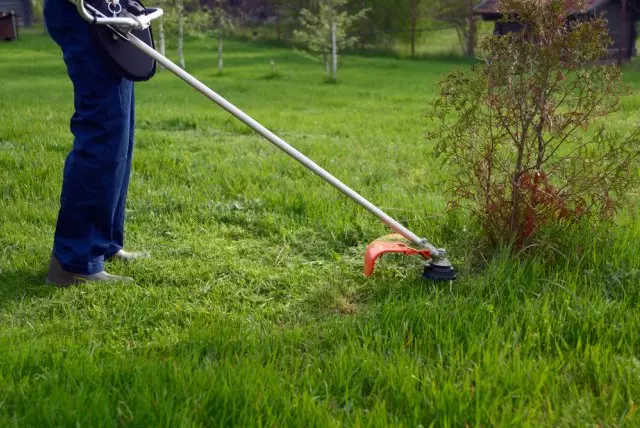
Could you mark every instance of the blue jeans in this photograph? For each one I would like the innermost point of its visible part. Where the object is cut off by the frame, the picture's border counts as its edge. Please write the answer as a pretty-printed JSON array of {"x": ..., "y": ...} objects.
[{"x": 90, "y": 226}]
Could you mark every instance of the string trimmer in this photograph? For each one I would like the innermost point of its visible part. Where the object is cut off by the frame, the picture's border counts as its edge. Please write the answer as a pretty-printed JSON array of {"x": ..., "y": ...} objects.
[{"x": 119, "y": 25}]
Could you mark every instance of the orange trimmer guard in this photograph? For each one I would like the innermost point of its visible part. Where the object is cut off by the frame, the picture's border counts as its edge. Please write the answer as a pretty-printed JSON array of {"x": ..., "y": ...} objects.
[{"x": 393, "y": 243}]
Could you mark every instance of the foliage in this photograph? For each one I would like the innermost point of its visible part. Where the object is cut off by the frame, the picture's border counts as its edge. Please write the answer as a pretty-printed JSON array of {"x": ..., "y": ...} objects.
[
  {"x": 217, "y": 21},
  {"x": 527, "y": 141},
  {"x": 456, "y": 13},
  {"x": 37, "y": 9},
  {"x": 316, "y": 31},
  {"x": 191, "y": 16}
]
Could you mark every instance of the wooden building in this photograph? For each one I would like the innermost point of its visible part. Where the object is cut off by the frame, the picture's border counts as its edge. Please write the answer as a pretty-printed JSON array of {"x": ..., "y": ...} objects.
[
  {"x": 22, "y": 10},
  {"x": 621, "y": 16},
  {"x": 8, "y": 26}
]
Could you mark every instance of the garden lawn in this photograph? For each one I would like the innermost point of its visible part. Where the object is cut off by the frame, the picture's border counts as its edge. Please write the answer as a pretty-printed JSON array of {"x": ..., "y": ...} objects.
[{"x": 253, "y": 310}]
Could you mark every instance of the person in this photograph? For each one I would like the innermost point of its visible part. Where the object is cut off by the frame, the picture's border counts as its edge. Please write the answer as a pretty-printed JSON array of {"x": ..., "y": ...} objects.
[{"x": 90, "y": 224}]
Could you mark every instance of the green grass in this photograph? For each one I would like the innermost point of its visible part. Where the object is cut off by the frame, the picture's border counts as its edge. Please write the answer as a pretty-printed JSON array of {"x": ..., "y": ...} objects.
[{"x": 253, "y": 310}]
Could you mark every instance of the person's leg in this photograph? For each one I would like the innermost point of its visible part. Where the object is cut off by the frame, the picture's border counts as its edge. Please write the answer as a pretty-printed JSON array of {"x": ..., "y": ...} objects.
[
  {"x": 116, "y": 249},
  {"x": 95, "y": 169},
  {"x": 117, "y": 241}
]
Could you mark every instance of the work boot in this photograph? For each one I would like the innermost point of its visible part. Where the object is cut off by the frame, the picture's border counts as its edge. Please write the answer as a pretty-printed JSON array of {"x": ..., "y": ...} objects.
[
  {"x": 127, "y": 256},
  {"x": 62, "y": 278}
]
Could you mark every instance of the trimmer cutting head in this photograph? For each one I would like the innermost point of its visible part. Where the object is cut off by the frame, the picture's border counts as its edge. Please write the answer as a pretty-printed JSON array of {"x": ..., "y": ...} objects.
[
  {"x": 435, "y": 269},
  {"x": 439, "y": 271}
]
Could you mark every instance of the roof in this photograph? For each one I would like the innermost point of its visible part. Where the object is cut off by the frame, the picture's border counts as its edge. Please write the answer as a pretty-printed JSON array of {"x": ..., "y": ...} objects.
[{"x": 490, "y": 7}]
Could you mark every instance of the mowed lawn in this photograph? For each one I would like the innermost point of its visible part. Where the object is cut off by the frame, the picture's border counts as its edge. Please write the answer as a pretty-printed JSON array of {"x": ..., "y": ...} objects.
[{"x": 253, "y": 310}]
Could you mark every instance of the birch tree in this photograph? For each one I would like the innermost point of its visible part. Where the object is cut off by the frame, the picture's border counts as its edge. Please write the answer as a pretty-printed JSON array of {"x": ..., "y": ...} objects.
[
  {"x": 180, "y": 19},
  {"x": 326, "y": 32},
  {"x": 219, "y": 21},
  {"x": 161, "y": 32},
  {"x": 180, "y": 13}
]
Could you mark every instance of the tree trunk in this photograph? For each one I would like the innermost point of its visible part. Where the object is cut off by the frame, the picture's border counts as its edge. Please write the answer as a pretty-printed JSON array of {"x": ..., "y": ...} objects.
[
  {"x": 180, "y": 35},
  {"x": 471, "y": 34},
  {"x": 462, "y": 37},
  {"x": 363, "y": 29},
  {"x": 161, "y": 37},
  {"x": 624, "y": 33},
  {"x": 334, "y": 51},
  {"x": 515, "y": 186},
  {"x": 414, "y": 19},
  {"x": 219, "y": 51}
]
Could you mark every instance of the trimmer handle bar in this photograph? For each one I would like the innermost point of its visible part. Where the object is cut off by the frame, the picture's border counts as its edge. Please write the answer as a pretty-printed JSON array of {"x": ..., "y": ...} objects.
[{"x": 130, "y": 25}]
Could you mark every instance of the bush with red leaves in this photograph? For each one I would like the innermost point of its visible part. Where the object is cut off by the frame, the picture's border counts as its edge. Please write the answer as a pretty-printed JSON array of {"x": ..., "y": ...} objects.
[{"x": 524, "y": 130}]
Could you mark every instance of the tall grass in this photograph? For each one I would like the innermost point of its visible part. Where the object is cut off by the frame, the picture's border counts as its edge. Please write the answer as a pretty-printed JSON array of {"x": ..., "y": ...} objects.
[{"x": 253, "y": 310}]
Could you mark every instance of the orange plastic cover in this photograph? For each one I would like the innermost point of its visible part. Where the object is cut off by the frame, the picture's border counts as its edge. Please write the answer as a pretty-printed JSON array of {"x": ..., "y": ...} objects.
[{"x": 393, "y": 243}]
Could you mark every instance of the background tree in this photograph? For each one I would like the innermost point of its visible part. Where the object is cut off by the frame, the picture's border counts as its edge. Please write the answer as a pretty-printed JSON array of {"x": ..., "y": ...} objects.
[
  {"x": 459, "y": 13},
  {"x": 180, "y": 19},
  {"x": 327, "y": 31},
  {"x": 414, "y": 20},
  {"x": 217, "y": 20},
  {"x": 162, "y": 46},
  {"x": 524, "y": 131},
  {"x": 394, "y": 20},
  {"x": 286, "y": 16}
]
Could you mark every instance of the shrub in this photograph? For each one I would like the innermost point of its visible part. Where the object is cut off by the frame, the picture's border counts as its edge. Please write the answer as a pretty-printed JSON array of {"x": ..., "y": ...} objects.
[{"x": 524, "y": 132}]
